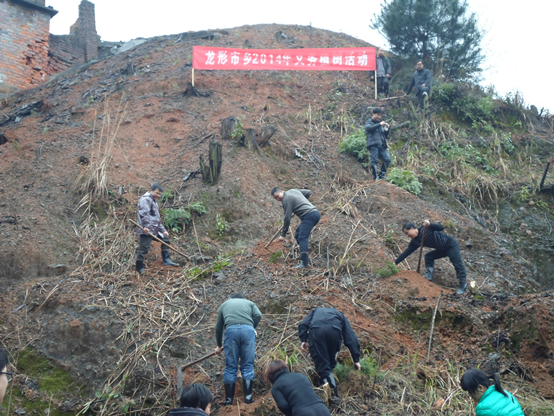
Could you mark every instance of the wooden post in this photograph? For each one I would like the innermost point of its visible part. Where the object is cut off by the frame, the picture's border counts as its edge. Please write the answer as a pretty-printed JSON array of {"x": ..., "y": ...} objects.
[
  {"x": 544, "y": 175},
  {"x": 210, "y": 174},
  {"x": 375, "y": 78},
  {"x": 266, "y": 134},
  {"x": 249, "y": 139},
  {"x": 193, "y": 77}
]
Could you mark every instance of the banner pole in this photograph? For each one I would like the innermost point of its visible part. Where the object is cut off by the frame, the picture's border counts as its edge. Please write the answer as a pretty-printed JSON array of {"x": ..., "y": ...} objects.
[
  {"x": 375, "y": 78},
  {"x": 193, "y": 77}
]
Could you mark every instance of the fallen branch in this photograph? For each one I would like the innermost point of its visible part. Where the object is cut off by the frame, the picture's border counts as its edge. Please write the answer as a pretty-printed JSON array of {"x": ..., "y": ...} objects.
[
  {"x": 433, "y": 327},
  {"x": 157, "y": 239}
]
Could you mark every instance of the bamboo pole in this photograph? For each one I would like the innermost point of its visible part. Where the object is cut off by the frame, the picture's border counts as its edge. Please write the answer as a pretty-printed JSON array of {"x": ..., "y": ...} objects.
[
  {"x": 421, "y": 249},
  {"x": 193, "y": 77},
  {"x": 433, "y": 326},
  {"x": 165, "y": 244}
]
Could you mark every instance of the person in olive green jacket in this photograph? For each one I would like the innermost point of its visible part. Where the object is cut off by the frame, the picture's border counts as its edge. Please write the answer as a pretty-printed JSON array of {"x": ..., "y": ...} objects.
[{"x": 489, "y": 400}]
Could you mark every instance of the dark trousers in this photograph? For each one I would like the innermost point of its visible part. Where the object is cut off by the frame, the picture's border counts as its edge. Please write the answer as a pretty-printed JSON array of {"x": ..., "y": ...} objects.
[
  {"x": 383, "y": 85},
  {"x": 325, "y": 342},
  {"x": 144, "y": 245},
  {"x": 452, "y": 251},
  {"x": 302, "y": 234},
  {"x": 379, "y": 152},
  {"x": 419, "y": 95}
]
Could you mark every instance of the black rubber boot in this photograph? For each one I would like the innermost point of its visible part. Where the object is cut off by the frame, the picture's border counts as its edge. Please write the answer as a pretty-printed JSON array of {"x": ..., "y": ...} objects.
[
  {"x": 304, "y": 261},
  {"x": 332, "y": 384},
  {"x": 374, "y": 172},
  {"x": 140, "y": 266},
  {"x": 429, "y": 273},
  {"x": 247, "y": 389},
  {"x": 167, "y": 259},
  {"x": 229, "y": 393},
  {"x": 383, "y": 174},
  {"x": 463, "y": 288}
]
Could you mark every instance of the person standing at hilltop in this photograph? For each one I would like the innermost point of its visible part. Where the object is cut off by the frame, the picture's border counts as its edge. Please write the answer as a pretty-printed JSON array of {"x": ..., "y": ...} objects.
[
  {"x": 444, "y": 246},
  {"x": 383, "y": 69},
  {"x": 148, "y": 217},
  {"x": 239, "y": 317},
  {"x": 295, "y": 201},
  {"x": 421, "y": 80},
  {"x": 376, "y": 132},
  {"x": 322, "y": 331}
]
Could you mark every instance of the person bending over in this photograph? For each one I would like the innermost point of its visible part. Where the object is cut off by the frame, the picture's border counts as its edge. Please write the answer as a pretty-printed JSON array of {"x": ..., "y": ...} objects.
[
  {"x": 490, "y": 400},
  {"x": 293, "y": 393},
  {"x": 444, "y": 246}
]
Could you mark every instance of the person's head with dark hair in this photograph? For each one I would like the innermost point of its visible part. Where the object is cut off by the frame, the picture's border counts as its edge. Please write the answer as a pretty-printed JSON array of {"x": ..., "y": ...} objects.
[
  {"x": 277, "y": 193},
  {"x": 197, "y": 396},
  {"x": 476, "y": 382},
  {"x": 274, "y": 368},
  {"x": 377, "y": 114},
  {"x": 410, "y": 230},
  {"x": 5, "y": 377},
  {"x": 237, "y": 296},
  {"x": 419, "y": 65},
  {"x": 156, "y": 190}
]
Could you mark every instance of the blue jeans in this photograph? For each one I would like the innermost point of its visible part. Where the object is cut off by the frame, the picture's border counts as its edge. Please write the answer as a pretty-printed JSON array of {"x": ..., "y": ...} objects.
[
  {"x": 240, "y": 343},
  {"x": 302, "y": 234}
]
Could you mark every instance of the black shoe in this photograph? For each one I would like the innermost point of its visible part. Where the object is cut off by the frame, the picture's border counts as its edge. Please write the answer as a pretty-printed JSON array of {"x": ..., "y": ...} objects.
[
  {"x": 383, "y": 175},
  {"x": 462, "y": 289},
  {"x": 429, "y": 273},
  {"x": 304, "y": 261},
  {"x": 247, "y": 389},
  {"x": 167, "y": 259},
  {"x": 332, "y": 384},
  {"x": 139, "y": 267},
  {"x": 229, "y": 393}
]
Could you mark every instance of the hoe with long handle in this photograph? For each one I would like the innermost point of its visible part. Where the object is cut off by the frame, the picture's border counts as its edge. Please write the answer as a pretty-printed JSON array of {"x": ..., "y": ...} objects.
[{"x": 421, "y": 249}]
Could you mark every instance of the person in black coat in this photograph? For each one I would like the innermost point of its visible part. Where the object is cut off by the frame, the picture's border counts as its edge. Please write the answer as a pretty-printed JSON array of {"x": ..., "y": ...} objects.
[
  {"x": 421, "y": 80},
  {"x": 376, "y": 132},
  {"x": 293, "y": 393},
  {"x": 196, "y": 400},
  {"x": 443, "y": 245},
  {"x": 323, "y": 331}
]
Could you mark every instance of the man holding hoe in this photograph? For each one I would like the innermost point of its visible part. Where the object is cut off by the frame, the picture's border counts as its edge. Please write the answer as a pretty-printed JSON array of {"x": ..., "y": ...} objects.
[{"x": 431, "y": 235}]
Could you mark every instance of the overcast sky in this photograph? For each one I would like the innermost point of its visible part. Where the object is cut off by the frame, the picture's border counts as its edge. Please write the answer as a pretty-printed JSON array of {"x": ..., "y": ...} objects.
[{"x": 517, "y": 58}]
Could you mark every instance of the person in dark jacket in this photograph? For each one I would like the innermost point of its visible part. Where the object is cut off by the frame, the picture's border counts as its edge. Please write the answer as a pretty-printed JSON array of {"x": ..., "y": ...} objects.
[
  {"x": 293, "y": 393},
  {"x": 383, "y": 69},
  {"x": 444, "y": 246},
  {"x": 148, "y": 217},
  {"x": 239, "y": 317},
  {"x": 323, "y": 331},
  {"x": 421, "y": 80},
  {"x": 376, "y": 132},
  {"x": 489, "y": 400},
  {"x": 196, "y": 400},
  {"x": 295, "y": 201},
  {"x": 5, "y": 376}
]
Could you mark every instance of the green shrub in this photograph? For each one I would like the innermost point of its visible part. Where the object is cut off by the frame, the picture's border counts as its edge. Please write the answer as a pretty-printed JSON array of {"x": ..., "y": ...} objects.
[
  {"x": 176, "y": 219},
  {"x": 370, "y": 367},
  {"x": 341, "y": 371},
  {"x": 467, "y": 154},
  {"x": 221, "y": 224},
  {"x": 198, "y": 207},
  {"x": 405, "y": 179},
  {"x": 166, "y": 195},
  {"x": 238, "y": 130},
  {"x": 355, "y": 144},
  {"x": 388, "y": 270},
  {"x": 275, "y": 257}
]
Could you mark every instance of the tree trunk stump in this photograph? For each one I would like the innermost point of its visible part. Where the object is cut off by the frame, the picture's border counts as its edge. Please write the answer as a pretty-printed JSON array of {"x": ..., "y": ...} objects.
[
  {"x": 265, "y": 135},
  {"x": 191, "y": 91},
  {"x": 249, "y": 140},
  {"x": 228, "y": 127},
  {"x": 210, "y": 174}
]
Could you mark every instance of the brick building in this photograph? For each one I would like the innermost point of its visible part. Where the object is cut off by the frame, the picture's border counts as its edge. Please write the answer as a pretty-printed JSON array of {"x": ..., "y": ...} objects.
[{"x": 29, "y": 53}]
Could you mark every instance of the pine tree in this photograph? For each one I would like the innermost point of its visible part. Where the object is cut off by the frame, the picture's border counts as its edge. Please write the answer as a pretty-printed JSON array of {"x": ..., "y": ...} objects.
[{"x": 441, "y": 32}]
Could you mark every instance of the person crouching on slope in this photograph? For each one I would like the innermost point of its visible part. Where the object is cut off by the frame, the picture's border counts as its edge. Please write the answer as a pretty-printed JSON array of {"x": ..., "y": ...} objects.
[
  {"x": 444, "y": 246},
  {"x": 489, "y": 400}
]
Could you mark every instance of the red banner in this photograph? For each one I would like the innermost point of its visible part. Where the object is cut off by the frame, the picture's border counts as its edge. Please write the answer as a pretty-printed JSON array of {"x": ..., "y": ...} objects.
[{"x": 324, "y": 59}]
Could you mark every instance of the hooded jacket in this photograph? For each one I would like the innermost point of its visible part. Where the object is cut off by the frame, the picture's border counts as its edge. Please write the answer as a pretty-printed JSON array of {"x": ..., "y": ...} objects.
[
  {"x": 148, "y": 216},
  {"x": 375, "y": 133},
  {"x": 493, "y": 403},
  {"x": 293, "y": 393}
]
